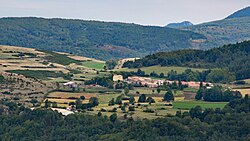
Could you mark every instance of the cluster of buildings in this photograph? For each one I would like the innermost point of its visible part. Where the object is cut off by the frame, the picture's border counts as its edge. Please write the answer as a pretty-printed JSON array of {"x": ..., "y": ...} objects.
[{"x": 154, "y": 83}]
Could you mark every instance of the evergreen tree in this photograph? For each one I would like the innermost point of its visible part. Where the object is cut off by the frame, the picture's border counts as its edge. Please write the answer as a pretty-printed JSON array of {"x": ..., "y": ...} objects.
[
  {"x": 142, "y": 98},
  {"x": 168, "y": 96}
]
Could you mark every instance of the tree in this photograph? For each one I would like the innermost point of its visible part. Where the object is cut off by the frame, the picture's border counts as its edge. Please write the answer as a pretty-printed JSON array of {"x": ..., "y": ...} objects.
[
  {"x": 150, "y": 100},
  {"x": 113, "y": 118},
  {"x": 118, "y": 100},
  {"x": 196, "y": 112},
  {"x": 99, "y": 114},
  {"x": 142, "y": 98},
  {"x": 131, "y": 108},
  {"x": 161, "y": 75},
  {"x": 158, "y": 90},
  {"x": 78, "y": 103},
  {"x": 33, "y": 101},
  {"x": 131, "y": 100},
  {"x": 82, "y": 97},
  {"x": 47, "y": 103},
  {"x": 199, "y": 94},
  {"x": 112, "y": 102},
  {"x": 93, "y": 101},
  {"x": 220, "y": 76},
  {"x": 168, "y": 96},
  {"x": 126, "y": 90}
]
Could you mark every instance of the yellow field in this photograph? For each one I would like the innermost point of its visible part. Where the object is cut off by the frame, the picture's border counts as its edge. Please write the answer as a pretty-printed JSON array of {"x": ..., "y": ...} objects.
[{"x": 243, "y": 91}]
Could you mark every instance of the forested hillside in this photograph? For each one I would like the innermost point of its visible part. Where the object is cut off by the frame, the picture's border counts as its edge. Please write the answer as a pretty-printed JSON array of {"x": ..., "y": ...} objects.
[
  {"x": 102, "y": 40},
  {"x": 235, "y": 58},
  {"x": 241, "y": 13},
  {"x": 222, "y": 32}
]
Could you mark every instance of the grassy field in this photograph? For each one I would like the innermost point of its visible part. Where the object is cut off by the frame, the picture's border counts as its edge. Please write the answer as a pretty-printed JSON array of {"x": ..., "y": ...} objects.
[
  {"x": 94, "y": 65},
  {"x": 159, "y": 69},
  {"x": 190, "y": 104}
]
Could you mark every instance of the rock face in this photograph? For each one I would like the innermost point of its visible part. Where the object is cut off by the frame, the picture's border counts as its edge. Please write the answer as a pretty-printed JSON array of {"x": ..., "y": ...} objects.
[
  {"x": 241, "y": 13},
  {"x": 179, "y": 25}
]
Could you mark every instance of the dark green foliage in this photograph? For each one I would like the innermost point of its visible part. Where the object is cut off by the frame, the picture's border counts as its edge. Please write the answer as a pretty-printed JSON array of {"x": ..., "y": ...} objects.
[
  {"x": 39, "y": 74},
  {"x": 142, "y": 98},
  {"x": 230, "y": 123},
  {"x": 199, "y": 94},
  {"x": 131, "y": 100},
  {"x": 113, "y": 117},
  {"x": 60, "y": 58},
  {"x": 100, "y": 40},
  {"x": 217, "y": 94},
  {"x": 103, "y": 81},
  {"x": 233, "y": 58},
  {"x": 112, "y": 102},
  {"x": 131, "y": 108},
  {"x": 168, "y": 96},
  {"x": 93, "y": 101},
  {"x": 82, "y": 97},
  {"x": 111, "y": 64},
  {"x": 150, "y": 100},
  {"x": 2, "y": 79},
  {"x": 118, "y": 100}
]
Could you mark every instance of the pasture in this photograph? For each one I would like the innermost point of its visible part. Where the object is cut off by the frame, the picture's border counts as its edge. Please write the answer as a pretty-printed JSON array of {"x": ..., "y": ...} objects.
[
  {"x": 186, "y": 105},
  {"x": 159, "y": 69},
  {"x": 93, "y": 64}
]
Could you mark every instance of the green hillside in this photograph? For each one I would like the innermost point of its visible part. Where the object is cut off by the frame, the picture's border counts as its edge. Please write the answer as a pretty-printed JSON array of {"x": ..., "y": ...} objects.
[
  {"x": 218, "y": 33},
  {"x": 101, "y": 40},
  {"x": 235, "y": 58}
]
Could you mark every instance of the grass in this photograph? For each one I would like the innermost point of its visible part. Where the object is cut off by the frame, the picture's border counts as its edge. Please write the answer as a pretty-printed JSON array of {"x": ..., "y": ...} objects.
[
  {"x": 105, "y": 98},
  {"x": 93, "y": 65},
  {"x": 190, "y": 104},
  {"x": 159, "y": 69},
  {"x": 38, "y": 74}
]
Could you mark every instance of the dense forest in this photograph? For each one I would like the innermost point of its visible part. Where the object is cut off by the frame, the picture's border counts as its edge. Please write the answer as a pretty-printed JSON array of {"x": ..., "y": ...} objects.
[
  {"x": 234, "y": 58},
  {"x": 230, "y": 123},
  {"x": 101, "y": 40}
]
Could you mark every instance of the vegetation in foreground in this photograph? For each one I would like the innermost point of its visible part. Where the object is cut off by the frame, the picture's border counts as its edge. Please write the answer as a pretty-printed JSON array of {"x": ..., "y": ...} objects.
[{"x": 230, "y": 123}]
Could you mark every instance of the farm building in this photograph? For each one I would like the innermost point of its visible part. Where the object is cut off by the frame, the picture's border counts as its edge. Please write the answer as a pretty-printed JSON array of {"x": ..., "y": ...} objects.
[
  {"x": 117, "y": 78},
  {"x": 71, "y": 84}
]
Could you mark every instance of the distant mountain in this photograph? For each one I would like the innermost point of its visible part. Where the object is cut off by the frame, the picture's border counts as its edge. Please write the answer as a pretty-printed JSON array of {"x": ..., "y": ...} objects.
[
  {"x": 241, "y": 13},
  {"x": 101, "y": 40},
  {"x": 218, "y": 33},
  {"x": 179, "y": 25}
]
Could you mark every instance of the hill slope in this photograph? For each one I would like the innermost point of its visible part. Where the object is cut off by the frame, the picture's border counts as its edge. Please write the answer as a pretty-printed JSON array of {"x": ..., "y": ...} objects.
[
  {"x": 235, "y": 58},
  {"x": 241, "y": 13},
  {"x": 222, "y": 32},
  {"x": 101, "y": 40}
]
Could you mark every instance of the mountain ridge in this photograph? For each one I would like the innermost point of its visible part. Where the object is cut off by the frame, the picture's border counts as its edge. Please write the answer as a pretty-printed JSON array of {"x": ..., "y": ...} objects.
[
  {"x": 245, "y": 12},
  {"x": 101, "y": 40}
]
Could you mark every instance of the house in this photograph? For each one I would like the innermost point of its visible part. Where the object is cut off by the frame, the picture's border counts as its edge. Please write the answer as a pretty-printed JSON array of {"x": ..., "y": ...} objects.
[
  {"x": 117, "y": 78},
  {"x": 71, "y": 84}
]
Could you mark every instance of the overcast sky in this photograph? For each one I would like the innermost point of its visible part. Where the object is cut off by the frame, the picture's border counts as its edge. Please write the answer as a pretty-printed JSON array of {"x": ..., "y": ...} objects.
[{"x": 146, "y": 12}]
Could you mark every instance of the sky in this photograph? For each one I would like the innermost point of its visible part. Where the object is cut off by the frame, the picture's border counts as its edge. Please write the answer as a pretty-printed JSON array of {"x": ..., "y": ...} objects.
[{"x": 145, "y": 12}]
